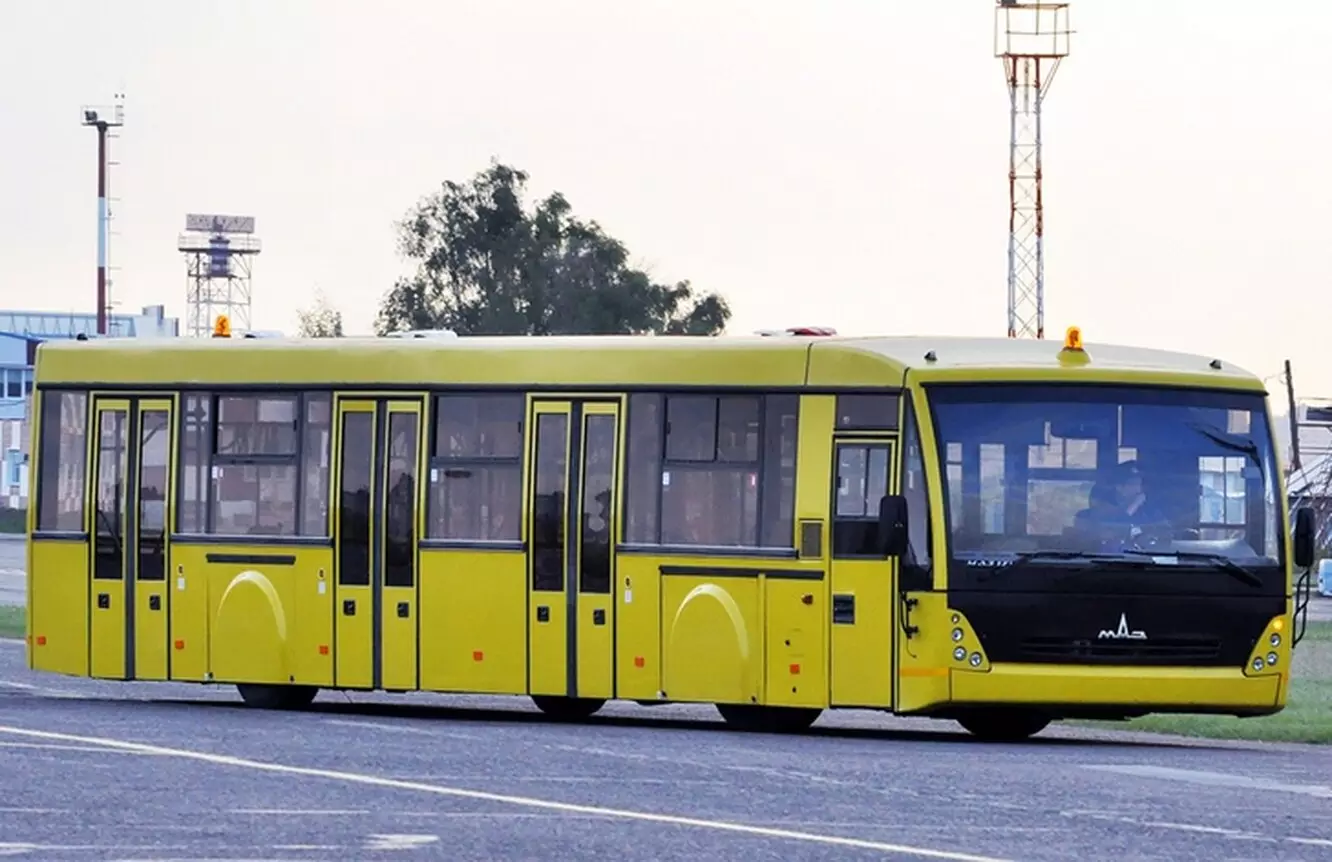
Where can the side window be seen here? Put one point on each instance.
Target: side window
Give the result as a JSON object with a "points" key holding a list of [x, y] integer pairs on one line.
{"points": [[63, 456], [316, 444], [196, 442], [862, 481], [915, 568], [476, 468], [711, 470], [254, 465], [643, 472], [867, 412], [254, 470]]}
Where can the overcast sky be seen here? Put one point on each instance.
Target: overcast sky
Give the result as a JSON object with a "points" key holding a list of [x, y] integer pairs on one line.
{"points": [[834, 162]]}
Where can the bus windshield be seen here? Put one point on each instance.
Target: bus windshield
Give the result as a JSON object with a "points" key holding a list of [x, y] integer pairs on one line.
{"points": [[1057, 471]]}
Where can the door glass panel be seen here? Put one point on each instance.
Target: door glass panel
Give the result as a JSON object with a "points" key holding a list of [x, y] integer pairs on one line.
{"points": [[598, 504], [862, 481], [354, 525], [154, 455], [110, 512], [400, 502], [548, 502]]}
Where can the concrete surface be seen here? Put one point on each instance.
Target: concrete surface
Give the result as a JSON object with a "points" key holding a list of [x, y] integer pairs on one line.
{"points": [[96, 771]]}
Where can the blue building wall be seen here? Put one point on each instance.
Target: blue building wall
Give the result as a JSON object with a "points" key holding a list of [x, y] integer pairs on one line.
{"points": [[20, 333]]}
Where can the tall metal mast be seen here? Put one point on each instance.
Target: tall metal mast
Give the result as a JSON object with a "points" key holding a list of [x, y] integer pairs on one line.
{"points": [[1032, 39]]}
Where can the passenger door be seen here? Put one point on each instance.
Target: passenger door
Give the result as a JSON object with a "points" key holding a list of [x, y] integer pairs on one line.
{"points": [[862, 580], [572, 508], [132, 504], [375, 531]]}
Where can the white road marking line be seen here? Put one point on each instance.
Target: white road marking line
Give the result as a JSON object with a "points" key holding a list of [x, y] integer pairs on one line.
{"points": [[95, 749], [523, 801], [1315, 842], [1213, 779], [377, 725], [399, 842], [23, 685], [301, 812]]}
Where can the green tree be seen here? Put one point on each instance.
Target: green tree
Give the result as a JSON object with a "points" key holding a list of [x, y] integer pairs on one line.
{"points": [[487, 266], [321, 320]]}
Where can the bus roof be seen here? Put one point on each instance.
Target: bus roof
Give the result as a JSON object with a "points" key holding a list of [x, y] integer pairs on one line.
{"points": [[612, 360]]}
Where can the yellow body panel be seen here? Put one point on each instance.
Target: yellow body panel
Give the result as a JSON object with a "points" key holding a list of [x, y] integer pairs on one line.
{"points": [[399, 638], [862, 651], [190, 613], [638, 627], [58, 606], [796, 654], [474, 621], [108, 630], [596, 671], [252, 614], [150, 630], [814, 468], [312, 654], [355, 637], [1182, 687], [924, 658], [712, 639], [548, 645]]}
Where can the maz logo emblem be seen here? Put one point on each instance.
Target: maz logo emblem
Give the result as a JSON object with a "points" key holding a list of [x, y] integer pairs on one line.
{"points": [[1123, 632]]}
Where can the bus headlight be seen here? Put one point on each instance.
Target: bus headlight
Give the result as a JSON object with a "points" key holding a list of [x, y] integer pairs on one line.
{"points": [[975, 659], [1258, 663], [957, 635], [960, 654], [1271, 659], [1275, 639]]}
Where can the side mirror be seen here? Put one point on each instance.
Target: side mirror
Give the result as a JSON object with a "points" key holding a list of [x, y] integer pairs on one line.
{"points": [[1305, 528], [893, 525]]}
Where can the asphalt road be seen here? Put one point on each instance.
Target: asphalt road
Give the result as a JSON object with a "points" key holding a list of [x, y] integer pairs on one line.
{"points": [[143, 772]]}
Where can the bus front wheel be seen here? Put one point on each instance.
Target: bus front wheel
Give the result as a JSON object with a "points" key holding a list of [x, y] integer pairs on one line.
{"points": [[567, 708], [277, 696], [1003, 725], [774, 719]]}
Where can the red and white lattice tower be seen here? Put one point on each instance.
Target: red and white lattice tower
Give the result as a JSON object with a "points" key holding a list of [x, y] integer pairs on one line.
{"points": [[1032, 39]]}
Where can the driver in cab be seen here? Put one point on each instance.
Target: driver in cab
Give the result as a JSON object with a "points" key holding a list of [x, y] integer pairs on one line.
{"points": [[1118, 507]]}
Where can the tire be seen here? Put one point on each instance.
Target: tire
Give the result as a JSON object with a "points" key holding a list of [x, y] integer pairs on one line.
{"points": [[768, 719], [567, 708], [1002, 725], [277, 696]]}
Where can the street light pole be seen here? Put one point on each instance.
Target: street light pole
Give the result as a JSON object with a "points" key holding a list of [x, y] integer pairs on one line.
{"points": [[93, 118]]}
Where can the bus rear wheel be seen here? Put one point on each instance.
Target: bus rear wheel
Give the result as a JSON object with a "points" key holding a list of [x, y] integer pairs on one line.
{"points": [[567, 708], [772, 719], [1003, 725], [277, 696]]}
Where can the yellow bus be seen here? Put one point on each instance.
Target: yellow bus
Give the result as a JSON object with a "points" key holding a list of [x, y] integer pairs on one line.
{"points": [[998, 532]]}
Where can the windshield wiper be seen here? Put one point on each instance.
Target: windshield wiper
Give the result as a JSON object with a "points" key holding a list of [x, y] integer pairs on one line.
{"points": [[1220, 561], [1009, 560]]}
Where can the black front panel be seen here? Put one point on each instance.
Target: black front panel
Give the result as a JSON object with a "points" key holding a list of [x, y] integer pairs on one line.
{"points": [[1149, 630]]}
